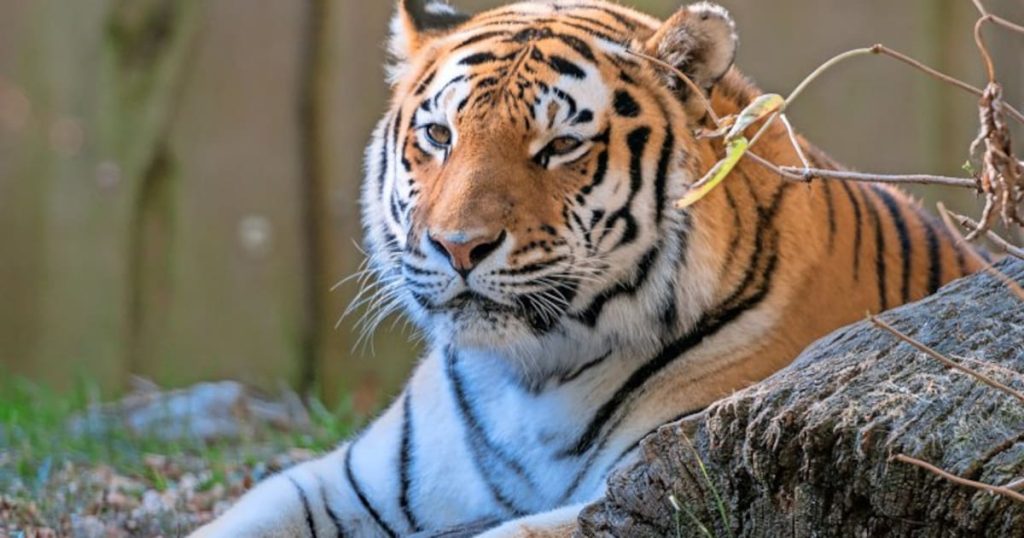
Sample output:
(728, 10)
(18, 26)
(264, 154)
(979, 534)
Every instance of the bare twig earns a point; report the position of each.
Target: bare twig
(990, 67)
(998, 490)
(947, 219)
(697, 90)
(775, 168)
(938, 75)
(987, 17)
(925, 179)
(1005, 246)
(946, 361)
(829, 64)
(795, 142)
(1005, 23)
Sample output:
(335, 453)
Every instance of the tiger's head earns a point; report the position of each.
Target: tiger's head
(520, 191)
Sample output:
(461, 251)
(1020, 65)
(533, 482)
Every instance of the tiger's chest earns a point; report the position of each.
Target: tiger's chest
(483, 436)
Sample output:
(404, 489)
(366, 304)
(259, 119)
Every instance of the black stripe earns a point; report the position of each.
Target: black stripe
(476, 39)
(533, 20)
(758, 253)
(577, 45)
(362, 496)
(961, 260)
(625, 105)
(600, 24)
(533, 267)
(737, 224)
(880, 270)
(637, 143)
(856, 228)
(621, 17)
(589, 315)
(477, 436)
(405, 463)
(569, 100)
(436, 99)
(590, 31)
(707, 328)
(339, 528)
(661, 179)
(831, 214)
(934, 253)
(602, 163)
(904, 236)
(423, 84)
(305, 507)
(479, 58)
(728, 311)
(584, 116)
(573, 376)
(565, 67)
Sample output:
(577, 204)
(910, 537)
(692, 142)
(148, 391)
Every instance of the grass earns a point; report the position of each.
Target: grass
(51, 477)
(720, 506)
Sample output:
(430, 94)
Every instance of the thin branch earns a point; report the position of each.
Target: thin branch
(1003, 244)
(934, 73)
(979, 39)
(697, 90)
(998, 490)
(775, 168)
(1016, 484)
(946, 361)
(1012, 26)
(986, 16)
(795, 142)
(886, 51)
(923, 179)
(958, 236)
(832, 62)
(938, 75)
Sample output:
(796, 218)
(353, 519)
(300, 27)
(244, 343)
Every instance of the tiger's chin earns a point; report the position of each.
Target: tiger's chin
(485, 325)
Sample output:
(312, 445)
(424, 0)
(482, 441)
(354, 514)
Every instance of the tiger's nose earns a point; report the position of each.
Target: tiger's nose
(466, 251)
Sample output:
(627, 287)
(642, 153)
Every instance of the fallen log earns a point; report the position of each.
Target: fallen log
(812, 450)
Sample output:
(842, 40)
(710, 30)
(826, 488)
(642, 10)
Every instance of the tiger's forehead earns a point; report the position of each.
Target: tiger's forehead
(532, 56)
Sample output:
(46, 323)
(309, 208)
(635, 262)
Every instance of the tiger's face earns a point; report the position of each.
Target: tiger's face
(526, 173)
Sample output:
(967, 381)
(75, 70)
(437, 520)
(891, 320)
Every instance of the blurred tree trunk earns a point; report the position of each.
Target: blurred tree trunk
(808, 451)
(100, 78)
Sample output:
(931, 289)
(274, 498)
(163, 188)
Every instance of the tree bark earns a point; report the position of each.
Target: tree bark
(808, 452)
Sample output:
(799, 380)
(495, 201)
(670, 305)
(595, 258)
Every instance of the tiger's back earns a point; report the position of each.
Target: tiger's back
(519, 206)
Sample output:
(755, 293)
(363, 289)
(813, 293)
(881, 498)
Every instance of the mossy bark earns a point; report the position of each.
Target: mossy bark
(808, 451)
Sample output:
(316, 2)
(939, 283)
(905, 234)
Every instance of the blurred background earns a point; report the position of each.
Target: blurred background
(179, 178)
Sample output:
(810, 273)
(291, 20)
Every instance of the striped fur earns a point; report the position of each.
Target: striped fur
(597, 311)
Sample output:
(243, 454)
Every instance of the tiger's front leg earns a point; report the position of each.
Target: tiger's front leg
(411, 471)
(560, 523)
(312, 499)
(353, 491)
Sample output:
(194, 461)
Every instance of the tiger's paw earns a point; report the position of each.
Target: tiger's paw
(559, 523)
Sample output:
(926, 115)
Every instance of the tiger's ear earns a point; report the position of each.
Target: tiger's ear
(700, 40)
(417, 21)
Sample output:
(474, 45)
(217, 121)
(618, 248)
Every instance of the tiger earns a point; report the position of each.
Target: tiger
(520, 206)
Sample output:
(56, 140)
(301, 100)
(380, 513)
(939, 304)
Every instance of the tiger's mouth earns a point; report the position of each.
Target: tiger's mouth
(470, 300)
(471, 309)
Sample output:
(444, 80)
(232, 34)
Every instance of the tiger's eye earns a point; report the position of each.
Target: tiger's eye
(564, 145)
(439, 135)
